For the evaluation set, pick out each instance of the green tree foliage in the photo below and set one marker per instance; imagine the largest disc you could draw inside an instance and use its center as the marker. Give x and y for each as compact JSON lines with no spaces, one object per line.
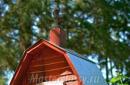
{"x":101,"y":27}
{"x":119,"y":79}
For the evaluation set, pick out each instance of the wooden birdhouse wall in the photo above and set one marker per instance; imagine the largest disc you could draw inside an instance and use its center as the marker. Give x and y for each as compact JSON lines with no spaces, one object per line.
{"x":48,"y":65}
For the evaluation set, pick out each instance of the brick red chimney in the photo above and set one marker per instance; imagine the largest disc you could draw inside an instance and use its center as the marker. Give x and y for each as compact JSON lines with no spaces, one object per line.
{"x":57,"y":36}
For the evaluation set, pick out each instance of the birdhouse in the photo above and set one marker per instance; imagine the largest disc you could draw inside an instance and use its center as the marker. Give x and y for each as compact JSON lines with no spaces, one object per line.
{"x":47,"y":63}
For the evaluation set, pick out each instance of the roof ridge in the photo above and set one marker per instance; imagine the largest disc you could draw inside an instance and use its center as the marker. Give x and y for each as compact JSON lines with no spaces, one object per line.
{"x":78,"y":55}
